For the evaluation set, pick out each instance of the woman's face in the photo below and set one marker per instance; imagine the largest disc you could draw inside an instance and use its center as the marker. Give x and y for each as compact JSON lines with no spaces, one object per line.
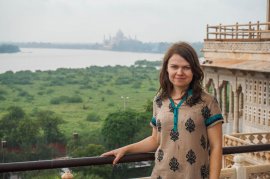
{"x":179,"y":71}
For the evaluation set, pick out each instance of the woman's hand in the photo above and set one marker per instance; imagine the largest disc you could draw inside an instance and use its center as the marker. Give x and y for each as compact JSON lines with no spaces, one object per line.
{"x":118,"y":153}
{"x":148,"y":144}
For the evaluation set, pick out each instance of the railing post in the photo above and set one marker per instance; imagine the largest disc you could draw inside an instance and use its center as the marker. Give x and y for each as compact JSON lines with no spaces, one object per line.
{"x":225,"y":32}
{"x":239,"y":166}
{"x":216,"y":31}
{"x":232,"y":32}
{"x":219,"y":31}
{"x":249,"y":29}
{"x":3,"y":148}
{"x":207,"y":31}
{"x":236,"y":30}
{"x":258,"y":30}
{"x":75,"y":138}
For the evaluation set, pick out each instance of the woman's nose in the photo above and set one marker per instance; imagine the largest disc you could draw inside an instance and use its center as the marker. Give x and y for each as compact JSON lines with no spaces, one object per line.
{"x":180,"y":71}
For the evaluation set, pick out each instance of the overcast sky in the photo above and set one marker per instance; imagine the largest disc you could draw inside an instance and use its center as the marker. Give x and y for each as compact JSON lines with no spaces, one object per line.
{"x":86,"y":21}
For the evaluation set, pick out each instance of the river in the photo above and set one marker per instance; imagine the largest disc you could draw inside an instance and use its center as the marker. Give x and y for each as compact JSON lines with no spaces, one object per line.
{"x":50,"y":59}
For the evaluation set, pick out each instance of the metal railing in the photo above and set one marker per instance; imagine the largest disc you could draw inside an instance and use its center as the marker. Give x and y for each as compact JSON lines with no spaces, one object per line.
{"x":86,"y":161}
{"x":238,"y":32}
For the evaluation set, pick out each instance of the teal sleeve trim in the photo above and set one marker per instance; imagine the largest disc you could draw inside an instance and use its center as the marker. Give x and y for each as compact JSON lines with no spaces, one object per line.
{"x":153,"y":121}
{"x":213,"y":119}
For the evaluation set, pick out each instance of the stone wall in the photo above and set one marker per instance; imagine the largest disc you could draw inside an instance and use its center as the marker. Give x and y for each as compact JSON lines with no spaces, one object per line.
{"x":237,"y":50}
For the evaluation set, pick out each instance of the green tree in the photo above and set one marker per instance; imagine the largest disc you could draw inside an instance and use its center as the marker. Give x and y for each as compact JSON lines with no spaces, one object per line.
{"x":148,"y":106}
{"x":27,"y":132}
{"x":21,"y":133}
{"x":49,"y":123}
{"x":124,"y":127}
{"x":9,"y":124}
{"x":119,"y":128}
{"x":88,"y":150}
{"x":143,"y":126}
{"x":97,"y":171}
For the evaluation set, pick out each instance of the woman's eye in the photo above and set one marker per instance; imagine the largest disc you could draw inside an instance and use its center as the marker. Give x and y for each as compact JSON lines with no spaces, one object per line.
{"x":186,"y":68}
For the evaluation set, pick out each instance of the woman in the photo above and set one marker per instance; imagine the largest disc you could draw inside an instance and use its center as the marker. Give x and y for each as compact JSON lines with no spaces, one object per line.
{"x":187,"y":122}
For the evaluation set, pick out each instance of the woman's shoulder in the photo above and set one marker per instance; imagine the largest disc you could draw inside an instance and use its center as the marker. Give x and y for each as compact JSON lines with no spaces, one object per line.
{"x":207,"y":97}
{"x":158,"y":97}
{"x":158,"y":100}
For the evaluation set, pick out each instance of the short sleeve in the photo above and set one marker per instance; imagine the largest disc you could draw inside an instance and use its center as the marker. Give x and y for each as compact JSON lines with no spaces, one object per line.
{"x":153,"y":122}
{"x":212,"y":113}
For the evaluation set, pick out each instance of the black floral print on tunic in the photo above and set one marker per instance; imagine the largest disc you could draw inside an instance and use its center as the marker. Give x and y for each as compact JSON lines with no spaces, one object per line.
{"x":160,"y":155}
{"x":206,"y":112}
{"x":190,"y":101}
{"x":174,"y":135}
{"x":203,"y":142}
{"x":158,"y":125}
{"x":159,"y":177}
{"x":174,"y":165}
{"x":190,"y":125}
{"x":191,"y":157}
{"x":158,"y":101}
{"x":204,"y":171}
{"x":170,"y":107}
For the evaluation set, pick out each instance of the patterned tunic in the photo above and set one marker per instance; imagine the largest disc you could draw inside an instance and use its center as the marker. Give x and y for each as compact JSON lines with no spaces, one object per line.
{"x":184,"y":149}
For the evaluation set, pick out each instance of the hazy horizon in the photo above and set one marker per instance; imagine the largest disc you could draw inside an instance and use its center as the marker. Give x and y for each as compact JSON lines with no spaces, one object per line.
{"x":89,"y":21}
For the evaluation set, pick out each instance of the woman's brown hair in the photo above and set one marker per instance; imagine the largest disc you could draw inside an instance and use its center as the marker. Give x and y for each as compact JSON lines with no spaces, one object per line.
{"x":188,"y":53}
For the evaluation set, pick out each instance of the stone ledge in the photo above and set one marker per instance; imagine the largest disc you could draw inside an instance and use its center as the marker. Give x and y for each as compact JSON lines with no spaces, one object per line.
{"x":237,"y":47}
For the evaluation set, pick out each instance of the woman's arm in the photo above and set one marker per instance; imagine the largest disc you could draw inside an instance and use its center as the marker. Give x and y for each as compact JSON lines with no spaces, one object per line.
{"x":148,"y":144}
{"x":215,"y":140}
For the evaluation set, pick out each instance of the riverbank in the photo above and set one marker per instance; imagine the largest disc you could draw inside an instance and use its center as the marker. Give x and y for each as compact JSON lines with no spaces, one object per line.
{"x":7,"y":48}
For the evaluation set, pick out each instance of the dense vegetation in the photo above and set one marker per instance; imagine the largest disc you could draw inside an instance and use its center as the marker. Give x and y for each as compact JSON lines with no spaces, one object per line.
{"x":40,"y":112}
{"x":7,"y":48}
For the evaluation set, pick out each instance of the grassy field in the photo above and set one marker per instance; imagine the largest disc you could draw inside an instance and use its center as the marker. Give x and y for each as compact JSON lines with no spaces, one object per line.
{"x":73,"y":94}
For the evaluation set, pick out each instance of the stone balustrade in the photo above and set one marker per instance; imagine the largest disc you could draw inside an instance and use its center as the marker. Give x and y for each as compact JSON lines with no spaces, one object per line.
{"x":240,"y":171}
{"x":249,"y":172}
{"x":228,"y":173}
{"x":254,"y":138}
{"x":247,"y":139}
{"x":258,"y":171}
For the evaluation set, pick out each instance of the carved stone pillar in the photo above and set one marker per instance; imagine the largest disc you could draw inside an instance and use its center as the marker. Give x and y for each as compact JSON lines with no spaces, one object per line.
{"x":230,"y":117}
{"x":206,"y":87}
{"x":241,"y":104}
{"x":224,"y":107}
{"x":218,"y":91}
{"x":236,"y":113}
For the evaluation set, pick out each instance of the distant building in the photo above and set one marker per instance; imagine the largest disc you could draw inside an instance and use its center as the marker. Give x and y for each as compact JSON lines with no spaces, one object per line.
{"x":237,"y":71}
{"x":115,"y":40}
